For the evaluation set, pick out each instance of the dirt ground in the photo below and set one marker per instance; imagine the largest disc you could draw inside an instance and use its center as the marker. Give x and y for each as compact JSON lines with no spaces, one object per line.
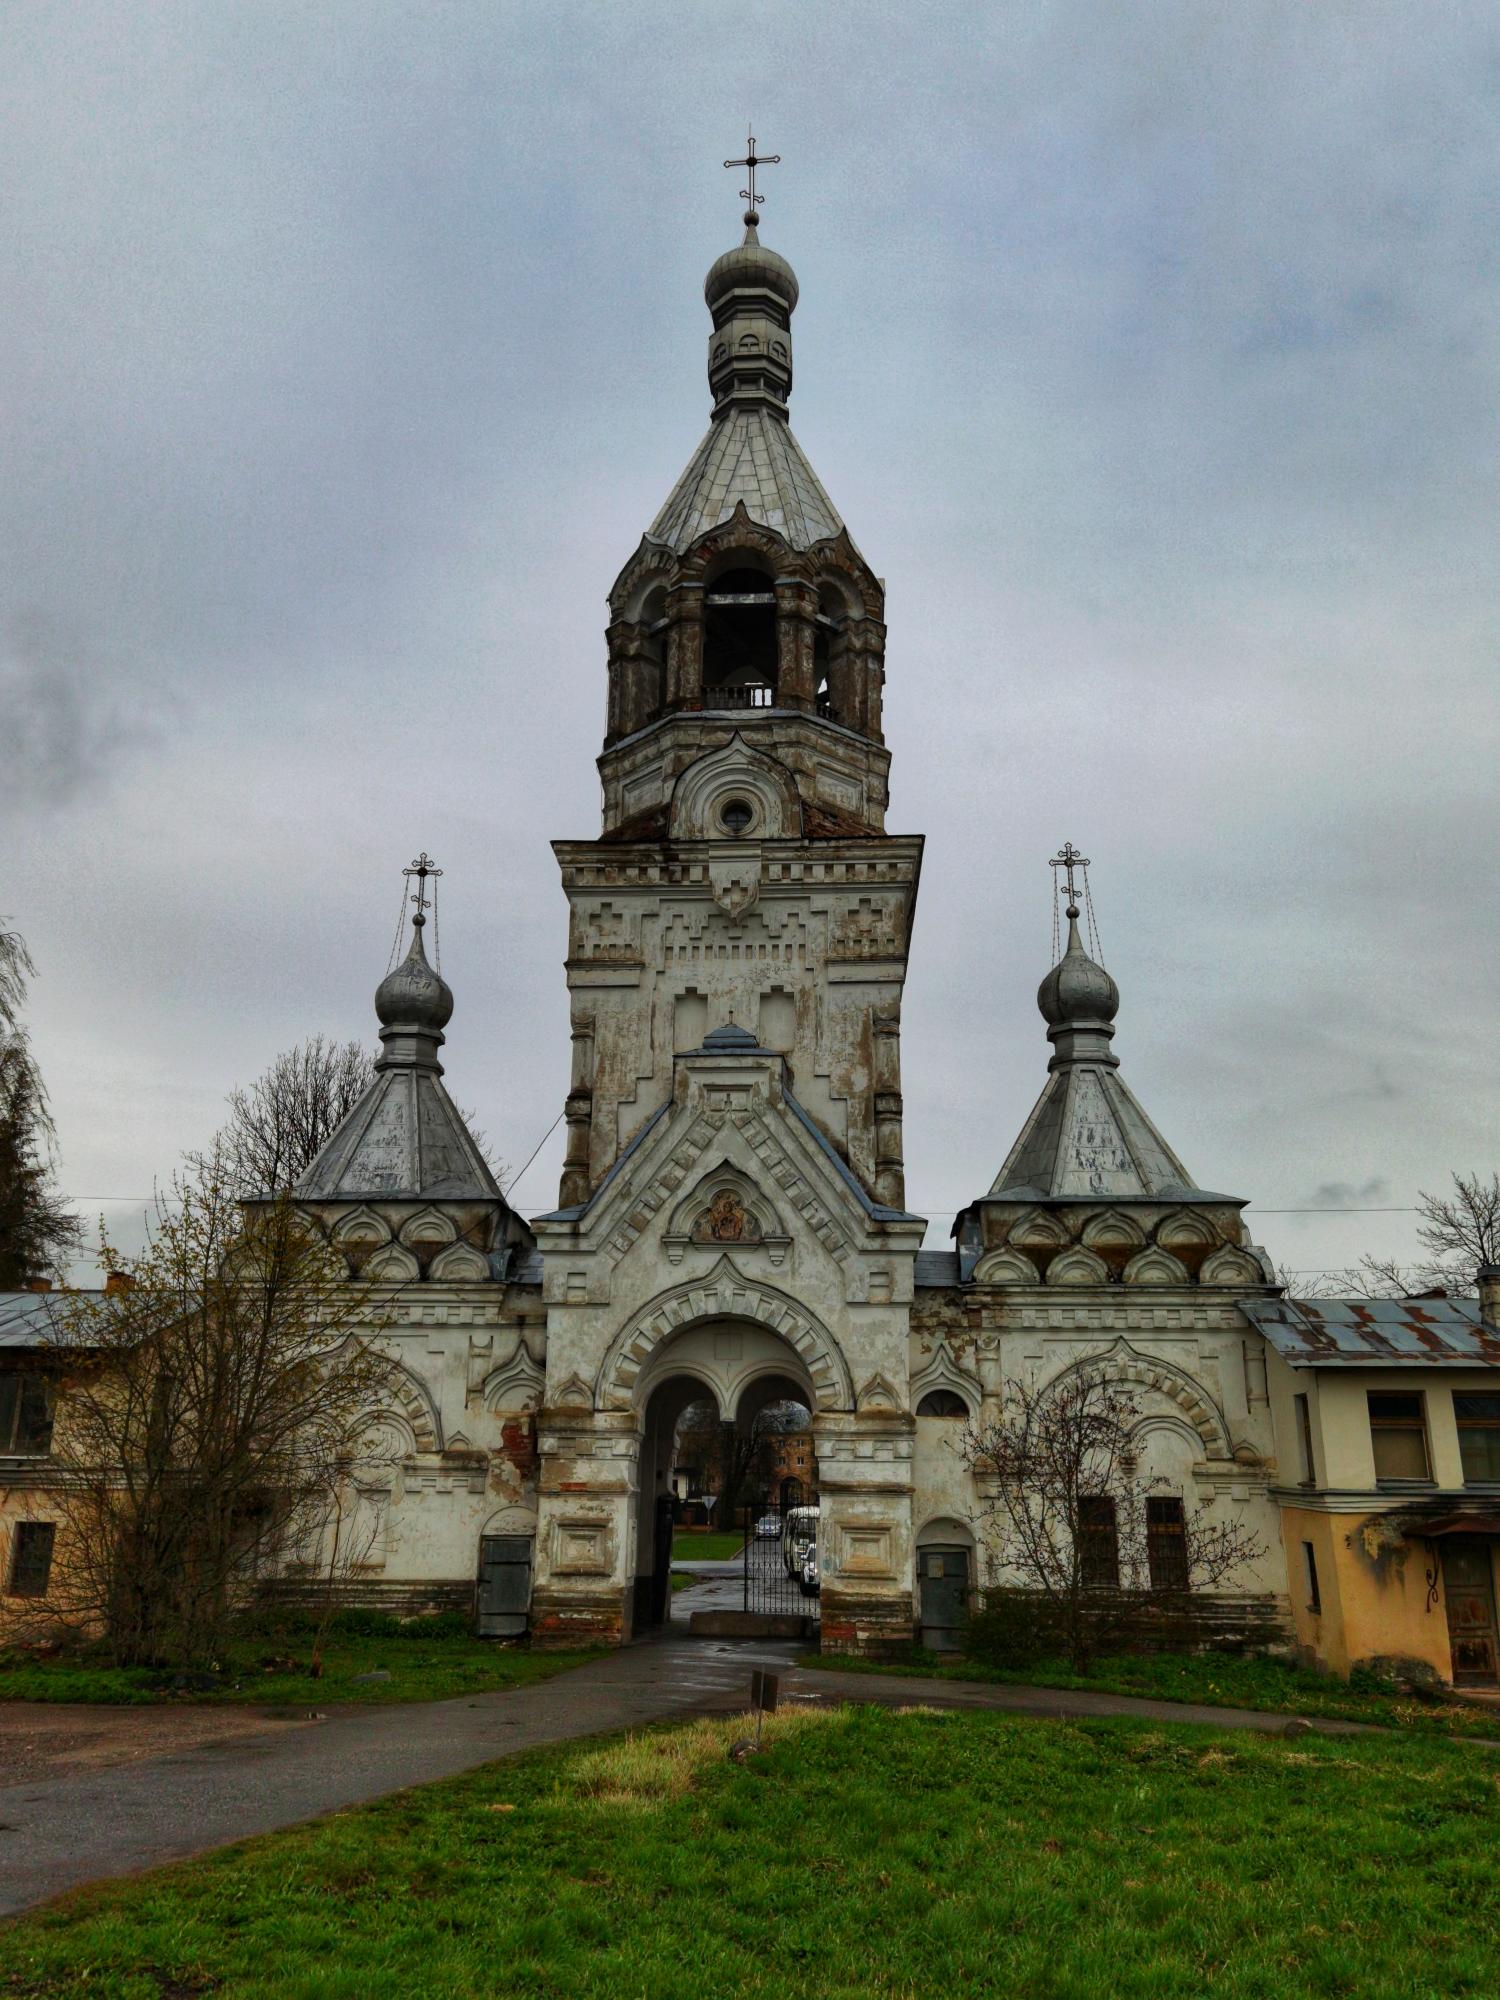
{"x":53,"y":1740}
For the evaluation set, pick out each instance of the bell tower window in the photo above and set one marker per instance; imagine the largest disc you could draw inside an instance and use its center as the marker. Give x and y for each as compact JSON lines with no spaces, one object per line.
{"x":739,"y":641}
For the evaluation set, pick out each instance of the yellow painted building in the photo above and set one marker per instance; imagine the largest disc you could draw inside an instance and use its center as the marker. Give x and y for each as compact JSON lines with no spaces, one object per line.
{"x":1387,"y":1420}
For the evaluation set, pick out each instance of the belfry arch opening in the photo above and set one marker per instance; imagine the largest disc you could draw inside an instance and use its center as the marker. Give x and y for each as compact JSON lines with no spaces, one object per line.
{"x":739,"y":639}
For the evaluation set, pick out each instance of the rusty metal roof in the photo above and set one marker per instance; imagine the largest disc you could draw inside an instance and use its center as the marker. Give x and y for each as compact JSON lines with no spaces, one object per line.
{"x":1376,"y":1333}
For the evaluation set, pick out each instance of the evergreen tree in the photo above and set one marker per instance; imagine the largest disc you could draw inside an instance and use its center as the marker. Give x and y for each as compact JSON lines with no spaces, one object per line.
{"x":36,"y":1229}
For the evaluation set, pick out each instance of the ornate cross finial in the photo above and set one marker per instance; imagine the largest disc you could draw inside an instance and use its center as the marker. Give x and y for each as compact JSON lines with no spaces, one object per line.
{"x":750,"y":163}
{"x":1068,"y":858}
{"x":422,"y":868}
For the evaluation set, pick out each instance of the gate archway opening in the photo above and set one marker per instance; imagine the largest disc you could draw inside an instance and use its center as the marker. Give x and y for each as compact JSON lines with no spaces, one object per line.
{"x":726,"y":1436}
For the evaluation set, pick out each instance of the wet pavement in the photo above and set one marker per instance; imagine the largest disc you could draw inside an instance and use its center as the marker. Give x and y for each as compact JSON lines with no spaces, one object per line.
{"x":60,"y":1832}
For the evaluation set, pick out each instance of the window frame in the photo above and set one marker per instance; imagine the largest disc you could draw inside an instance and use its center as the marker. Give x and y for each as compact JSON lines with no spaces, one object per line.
{"x":33,"y":1383}
{"x":1406,"y":1426}
{"x":1471,"y":1425}
{"x":13,"y":1571}
{"x":1164,"y":1538}
{"x":1099,"y":1543}
{"x":1302,"y":1403}
{"x":1310,"y":1577}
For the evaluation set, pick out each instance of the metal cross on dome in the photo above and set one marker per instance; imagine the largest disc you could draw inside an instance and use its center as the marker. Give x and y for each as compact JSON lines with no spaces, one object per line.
{"x":750,"y":163}
{"x":1068,"y":858}
{"x":423,"y":868}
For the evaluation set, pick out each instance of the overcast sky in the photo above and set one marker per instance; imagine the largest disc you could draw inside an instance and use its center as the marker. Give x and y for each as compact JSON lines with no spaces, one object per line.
{"x":1150,"y":355}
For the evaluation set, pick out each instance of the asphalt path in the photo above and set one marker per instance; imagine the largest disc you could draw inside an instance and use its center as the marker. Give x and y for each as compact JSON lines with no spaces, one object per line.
{"x":59,"y":1833}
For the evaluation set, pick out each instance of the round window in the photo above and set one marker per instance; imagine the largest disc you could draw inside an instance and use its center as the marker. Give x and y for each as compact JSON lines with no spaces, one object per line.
{"x":735,"y":815}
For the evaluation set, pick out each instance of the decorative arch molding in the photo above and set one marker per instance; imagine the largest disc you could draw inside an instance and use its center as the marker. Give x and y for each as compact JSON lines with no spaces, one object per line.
{"x":359,"y":1231}
{"x":1175,"y":1424}
{"x":943,"y":1372}
{"x":721,"y":546}
{"x":837,"y":558}
{"x":1185,"y":1229}
{"x":725,"y":1293}
{"x":429,"y":1229}
{"x":405,"y":1394}
{"x":516,"y":1383}
{"x":735,"y":770}
{"x":653,"y":566}
{"x":1126,"y":1365}
{"x":1037,"y":1230}
{"x":1231,"y":1266}
{"x":1006,"y":1267}
{"x":943,"y":1528}
{"x":1113,"y":1230}
{"x":393,"y":1264}
{"x":725,"y":1197}
{"x":511,"y":1521}
{"x":879,"y":1393}
{"x":460,"y":1264}
{"x":1077,"y":1266}
{"x":1155,"y":1266}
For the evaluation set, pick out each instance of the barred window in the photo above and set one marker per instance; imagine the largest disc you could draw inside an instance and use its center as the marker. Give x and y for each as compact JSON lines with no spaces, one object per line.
{"x":31,"y":1558}
{"x":1166,"y":1544}
{"x":1098,"y":1542}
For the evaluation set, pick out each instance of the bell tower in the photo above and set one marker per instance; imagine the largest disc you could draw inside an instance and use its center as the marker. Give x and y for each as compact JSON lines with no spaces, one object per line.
{"x":743,"y":876}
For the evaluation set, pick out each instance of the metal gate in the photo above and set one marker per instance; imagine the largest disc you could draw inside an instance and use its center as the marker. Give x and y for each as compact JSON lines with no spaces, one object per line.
{"x":503,"y":1599}
{"x":778,"y":1578}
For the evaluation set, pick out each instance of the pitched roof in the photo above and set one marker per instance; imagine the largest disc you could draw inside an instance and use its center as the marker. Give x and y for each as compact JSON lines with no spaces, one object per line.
{"x":1376,"y":1333}
{"x":1087,"y":1135}
{"x":749,"y":456}
{"x":405,"y":1138}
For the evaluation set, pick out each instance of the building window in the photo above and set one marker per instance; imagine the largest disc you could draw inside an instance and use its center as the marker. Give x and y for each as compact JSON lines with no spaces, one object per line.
{"x":942,"y":1403}
{"x":25,"y":1416}
{"x":1479,"y":1438}
{"x":1166,"y":1544}
{"x":1310,"y":1564}
{"x":1399,"y":1435}
{"x":1304,"y":1439}
{"x":1098,"y":1542}
{"x":31,"y":1558}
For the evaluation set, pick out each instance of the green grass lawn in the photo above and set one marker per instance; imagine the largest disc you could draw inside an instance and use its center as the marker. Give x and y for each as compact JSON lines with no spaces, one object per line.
{"x":1227,"y":1680}
{"x":863,"y":1853}
{"x":422,"y":1667}
{"x":689,"y":1545}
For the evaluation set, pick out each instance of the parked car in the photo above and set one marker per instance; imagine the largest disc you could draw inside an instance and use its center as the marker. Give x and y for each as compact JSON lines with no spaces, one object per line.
{"x":809,"y":1582}
{"x":768,"y":1528}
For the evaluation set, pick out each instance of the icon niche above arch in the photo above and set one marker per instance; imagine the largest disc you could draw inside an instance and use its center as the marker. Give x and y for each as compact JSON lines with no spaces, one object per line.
{"x":725,"y":1208}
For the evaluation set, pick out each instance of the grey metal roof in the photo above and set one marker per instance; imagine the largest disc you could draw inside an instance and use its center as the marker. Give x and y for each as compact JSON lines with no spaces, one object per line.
{"x":405,"y":1138}
{"x":1088,"y":1136}
{"x":1376,"y":1333}
{"x":35,"y":1319}
{"x":749,"y":456}
{"x":937,"y":1267}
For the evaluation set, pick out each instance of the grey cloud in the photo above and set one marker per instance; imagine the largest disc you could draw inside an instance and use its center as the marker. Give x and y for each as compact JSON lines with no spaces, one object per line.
{"x":1149,"y":354}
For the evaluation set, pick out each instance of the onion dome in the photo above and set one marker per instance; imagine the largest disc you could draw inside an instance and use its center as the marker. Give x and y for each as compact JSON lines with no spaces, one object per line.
{"x":1077,"y":992}
{"x":751,"y":267}
{"x":413,"y":1005}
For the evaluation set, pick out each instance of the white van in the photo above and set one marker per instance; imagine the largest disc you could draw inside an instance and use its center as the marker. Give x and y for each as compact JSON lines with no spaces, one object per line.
{"x":799,"y":1541}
